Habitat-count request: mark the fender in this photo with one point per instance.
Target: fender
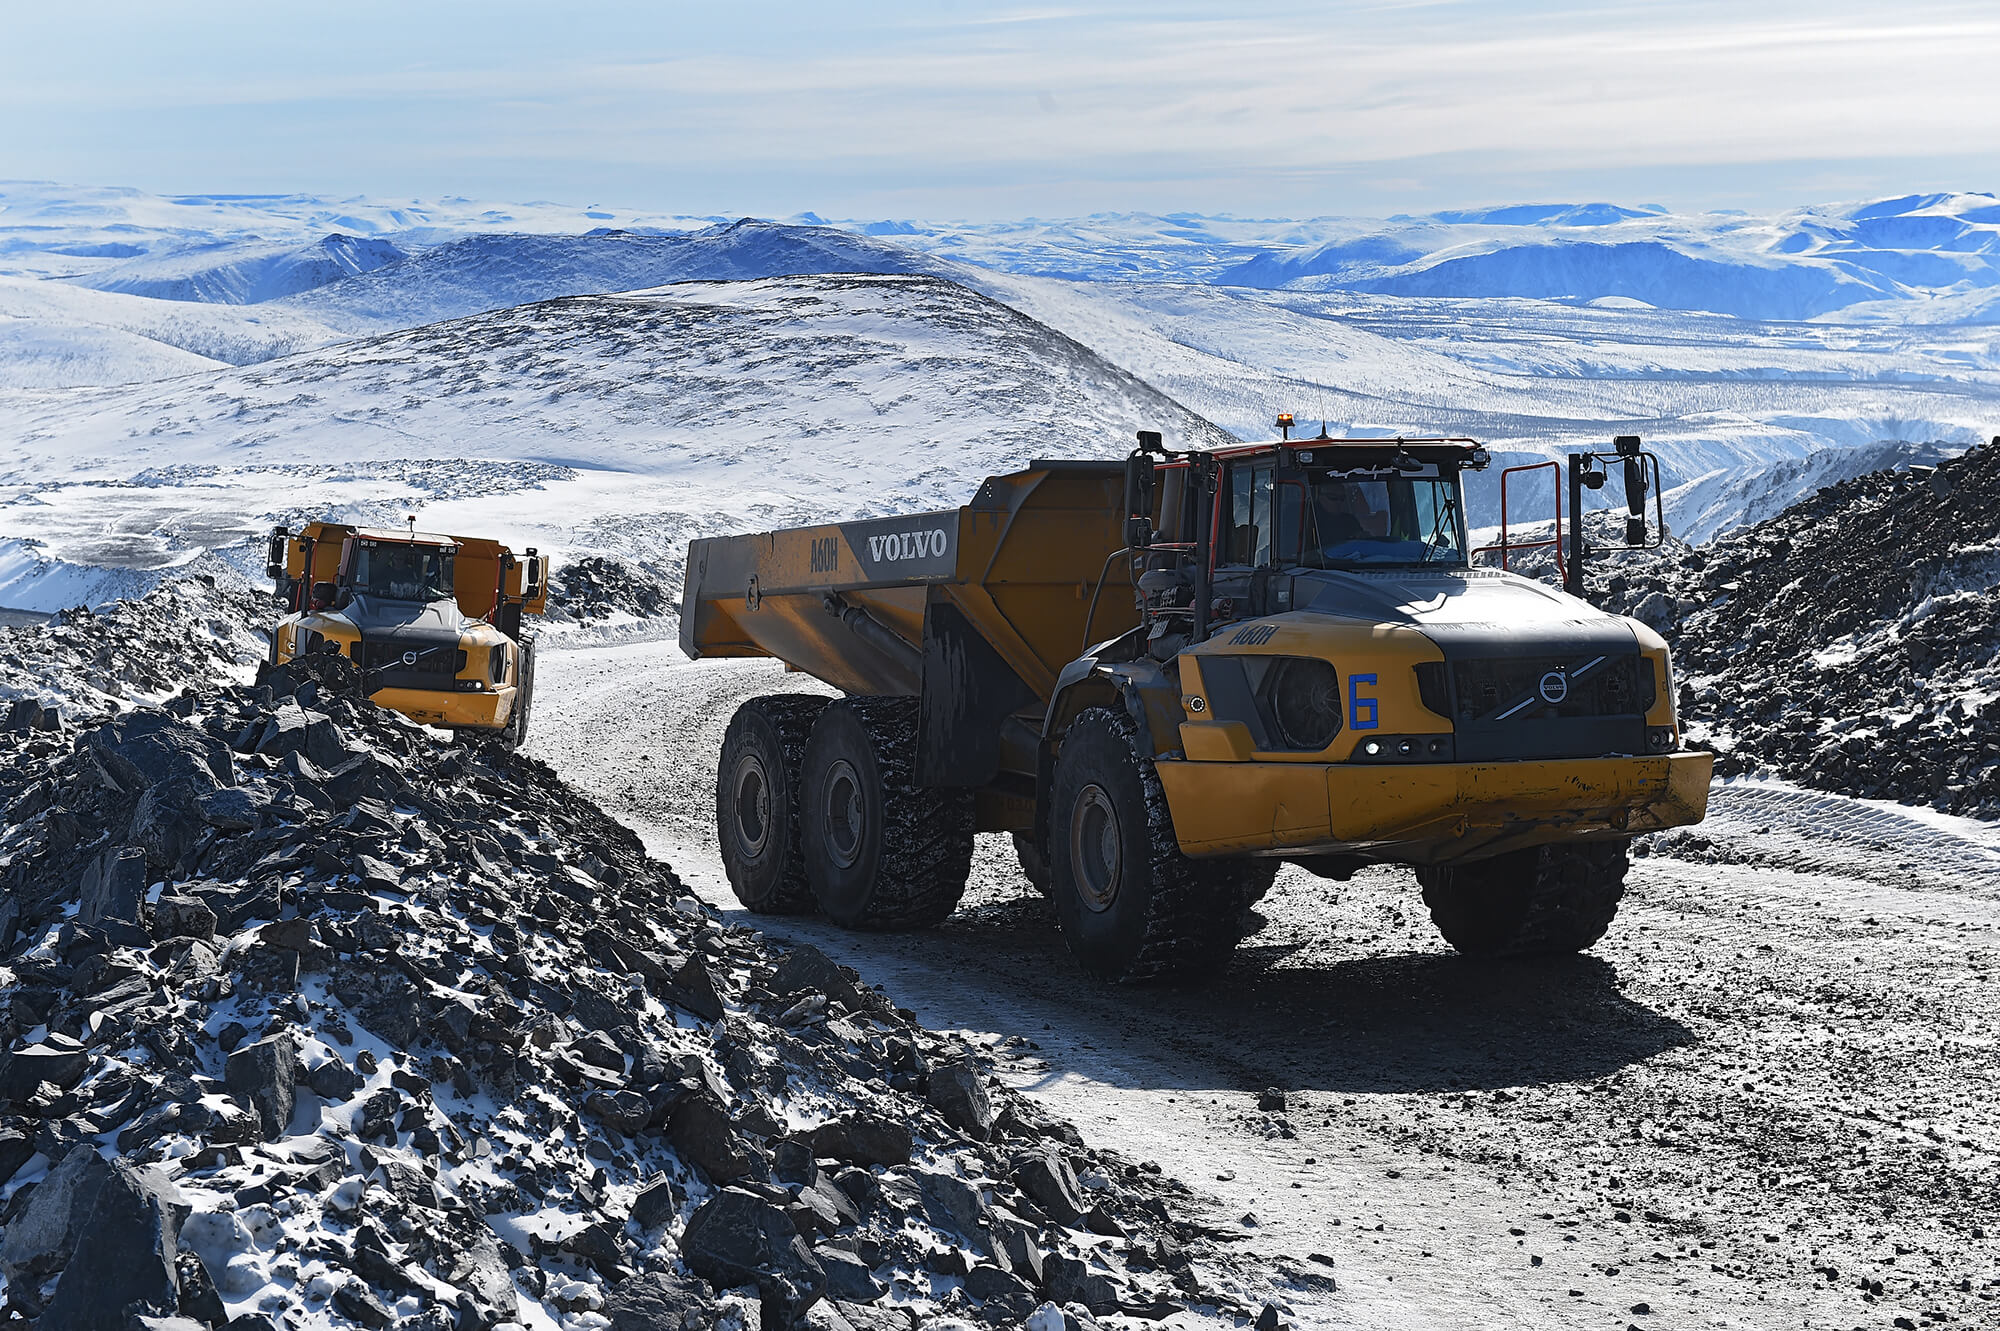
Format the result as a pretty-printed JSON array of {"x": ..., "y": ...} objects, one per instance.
[{"x": 1141, "y": 688}]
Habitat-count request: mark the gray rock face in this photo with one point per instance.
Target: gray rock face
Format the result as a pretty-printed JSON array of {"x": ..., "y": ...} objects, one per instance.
[
  {"x": 957, "y": 1092},
  {"x": 1047, "y": 1177},
  {"x": 265, "y": 1074},
  {"x": 182, "y": 917},
  {"x": 704, "y": 1135},
  {"x": 114, "y": 886},
  {"x": 60, "y": 1063},
  {"x": 1072, "y": 1281},
  {"x": 659, "y": 1301},
  {"x": 230, "y": 809},
  {"x": 168, "y": 820},
  {"x": 125, "y": 1260},
  {"x": 848, "y": 1277},
  {"x": 42, "y": 1238},
  {"x": 738, "y": 1238},
  {"x": 807, "y": 970},
  {"x": 862, "y": 1138}
]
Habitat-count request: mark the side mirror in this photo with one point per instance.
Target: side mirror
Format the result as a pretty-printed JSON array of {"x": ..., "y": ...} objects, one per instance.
[
  {"x": 1140, "y": 472},
  {"x": 1635, "y": 501},
  {"x": 274, "y": 555},
  {"x": 322, "y": 595}
]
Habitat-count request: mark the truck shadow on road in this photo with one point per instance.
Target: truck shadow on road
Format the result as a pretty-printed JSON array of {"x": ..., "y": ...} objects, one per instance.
[
  {"x": 1432, "y": 1021},
  {"x": 1285, "y": 1014}
]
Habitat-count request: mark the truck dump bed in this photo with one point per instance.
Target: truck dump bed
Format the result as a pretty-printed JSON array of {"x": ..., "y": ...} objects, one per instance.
[{"x": 989, "y": 593}]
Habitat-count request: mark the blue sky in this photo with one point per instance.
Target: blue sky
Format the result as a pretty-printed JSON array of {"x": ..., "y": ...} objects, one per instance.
[{"x": 966, "y": 110}]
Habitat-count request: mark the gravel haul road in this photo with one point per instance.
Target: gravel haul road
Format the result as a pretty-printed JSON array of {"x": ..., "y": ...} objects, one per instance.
[{"x": 1767, "y": 1099}]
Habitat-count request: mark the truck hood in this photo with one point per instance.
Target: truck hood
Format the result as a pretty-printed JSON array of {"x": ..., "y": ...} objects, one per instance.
[
  {"x": 1487, "y": 610},
  {"x": 378, "y": 617}
]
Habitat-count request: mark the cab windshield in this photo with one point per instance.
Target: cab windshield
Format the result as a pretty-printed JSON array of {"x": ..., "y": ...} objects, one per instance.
[
  {"x": 402, "y": 572},
  {"x": 1348, "y": 519}
]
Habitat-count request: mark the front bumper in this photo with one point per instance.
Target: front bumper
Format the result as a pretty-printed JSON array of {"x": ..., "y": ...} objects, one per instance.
[
  {"x": 1428, "y": 813},
  {"x": 434, "y": 707}
]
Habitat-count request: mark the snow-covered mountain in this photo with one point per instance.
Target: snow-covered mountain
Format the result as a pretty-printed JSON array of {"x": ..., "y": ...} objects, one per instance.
[
  {"x": 54, "y": 335},
  {"x": 901, "y": 390},
  {"x": 620, "y": 424},
  {"x": 489, "y": 272},
  {"x": 226, "y": 272}
]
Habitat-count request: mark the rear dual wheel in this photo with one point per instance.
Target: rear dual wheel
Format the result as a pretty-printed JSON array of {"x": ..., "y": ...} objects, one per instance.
[
  {"x": 756, "y": 802},
  {"x": 816, "y": 808},
  {"x": 881, "y": 852}
]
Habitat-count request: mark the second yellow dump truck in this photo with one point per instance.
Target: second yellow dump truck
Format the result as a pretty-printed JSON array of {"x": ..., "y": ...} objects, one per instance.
[
  {"x": 1167, "y": 677},
  {"x": 433, "y": 622}
]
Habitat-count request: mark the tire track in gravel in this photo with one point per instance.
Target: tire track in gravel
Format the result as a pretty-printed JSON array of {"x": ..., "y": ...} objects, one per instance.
[{"x": 1766, "y": 1072}]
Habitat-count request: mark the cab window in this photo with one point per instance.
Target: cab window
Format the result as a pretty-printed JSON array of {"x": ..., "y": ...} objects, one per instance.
[{"x": 1248, "y": 540}]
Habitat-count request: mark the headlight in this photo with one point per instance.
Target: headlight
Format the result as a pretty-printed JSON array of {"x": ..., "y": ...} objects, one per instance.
[{"x": 1303, "y": 698}]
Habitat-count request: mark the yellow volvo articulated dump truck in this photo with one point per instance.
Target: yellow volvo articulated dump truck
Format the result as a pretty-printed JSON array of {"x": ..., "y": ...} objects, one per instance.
[
  {"x": 1168, "y": 676},
  {"x": 432, "y": 622}
]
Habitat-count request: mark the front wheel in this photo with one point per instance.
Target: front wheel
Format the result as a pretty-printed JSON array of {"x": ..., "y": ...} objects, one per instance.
[
  {"x": 516, "y": 732},
  {"x": 1131, "y": 905},
  {"x": 1545, "y": 899}
]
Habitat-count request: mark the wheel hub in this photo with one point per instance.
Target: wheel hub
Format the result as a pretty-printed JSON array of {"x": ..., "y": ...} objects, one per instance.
[
  {"x": 753, "y": 805},
  {"x": 1096, "y": 849},
  {"x": 844, "y": 818}
]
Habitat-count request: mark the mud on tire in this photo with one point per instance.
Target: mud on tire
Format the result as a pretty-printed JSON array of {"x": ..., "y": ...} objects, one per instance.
[
  {"x": 1132, "y": 907},
  {"x": 757, "y": 803},
  {"x": 1546, "y": 899},
  {"x": 880, "y": 852}
]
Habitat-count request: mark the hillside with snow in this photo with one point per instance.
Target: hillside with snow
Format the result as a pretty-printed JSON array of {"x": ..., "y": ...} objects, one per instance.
[{"x": 620, "y": 425}]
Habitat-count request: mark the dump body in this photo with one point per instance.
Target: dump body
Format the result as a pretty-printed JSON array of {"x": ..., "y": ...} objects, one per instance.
[{"x": 977, "y": 610}]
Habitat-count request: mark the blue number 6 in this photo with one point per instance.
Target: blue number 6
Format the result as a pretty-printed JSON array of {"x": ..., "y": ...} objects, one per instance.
[{"x": 1361, "y": 712}]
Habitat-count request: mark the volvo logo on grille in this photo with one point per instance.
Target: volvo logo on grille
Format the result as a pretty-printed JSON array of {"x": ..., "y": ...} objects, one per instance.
[
  {"x": 410, "y": 659},
  {"x": 1554, "y": 687}
]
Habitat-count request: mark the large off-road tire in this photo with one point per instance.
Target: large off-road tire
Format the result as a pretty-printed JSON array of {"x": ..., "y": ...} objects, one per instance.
[
  {"x": 1131, "y": 905},
  {"x": 757, "y": 802},
  {"x": 1034, "y": 862},
  {"x": 1546, "y": 899},
  {"x": 880, "y": 852},
  {"x": 516, "y": 731}
]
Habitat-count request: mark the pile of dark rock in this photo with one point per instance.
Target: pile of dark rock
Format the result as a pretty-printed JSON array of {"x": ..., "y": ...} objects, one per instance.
[
  {"x": 307, "y": 1018},
  {"x": 594, "y": 588},
  {"x": 1851, "y": 643},
  {"x": 135, "y": 650}
]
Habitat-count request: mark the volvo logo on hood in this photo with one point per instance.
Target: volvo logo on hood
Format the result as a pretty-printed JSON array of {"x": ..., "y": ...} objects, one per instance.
[
  {"x": 1554, "y": 687},
  {"x": 410, "y": 659}
]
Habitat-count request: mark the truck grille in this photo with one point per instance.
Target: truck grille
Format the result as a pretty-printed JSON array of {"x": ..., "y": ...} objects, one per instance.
[
  {"x": 1523, "y": 688},
  {"x": 435, "y": 666},
  {"x": 1582, "y": 705}
]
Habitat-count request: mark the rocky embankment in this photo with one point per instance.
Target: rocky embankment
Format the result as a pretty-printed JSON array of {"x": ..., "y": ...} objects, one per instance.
[{"x": 312, "y": 1020}]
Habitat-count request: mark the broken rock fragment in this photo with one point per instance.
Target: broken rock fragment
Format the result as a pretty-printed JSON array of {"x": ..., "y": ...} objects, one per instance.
[{"x": 738, "y": 1238}]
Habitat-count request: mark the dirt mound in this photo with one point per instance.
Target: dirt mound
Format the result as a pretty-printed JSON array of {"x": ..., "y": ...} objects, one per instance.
[{"x": 390, "y": 1032}]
